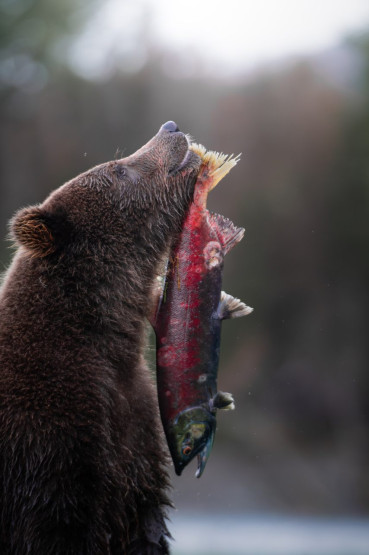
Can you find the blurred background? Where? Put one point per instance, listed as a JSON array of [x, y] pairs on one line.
[[287, 84]]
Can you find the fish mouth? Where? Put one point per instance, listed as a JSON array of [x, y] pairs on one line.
[[202, 459], [180, 463], [203, 456], [189, 435]]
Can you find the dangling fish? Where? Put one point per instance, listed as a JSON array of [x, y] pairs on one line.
[[188, 322]]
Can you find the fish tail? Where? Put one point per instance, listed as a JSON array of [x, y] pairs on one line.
[[216, 163]]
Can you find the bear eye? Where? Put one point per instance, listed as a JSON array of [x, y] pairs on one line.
[[120, 170]]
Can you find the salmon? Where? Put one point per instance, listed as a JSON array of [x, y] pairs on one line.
[[188, 321]]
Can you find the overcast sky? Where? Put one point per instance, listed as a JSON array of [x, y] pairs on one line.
[[250, 31], [231, 34]]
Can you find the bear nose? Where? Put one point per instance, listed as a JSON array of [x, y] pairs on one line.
[[170, 126]]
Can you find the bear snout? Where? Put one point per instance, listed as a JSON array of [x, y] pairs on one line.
[[170, 126]]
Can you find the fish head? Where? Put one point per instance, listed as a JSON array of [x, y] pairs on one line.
[[191, 433]]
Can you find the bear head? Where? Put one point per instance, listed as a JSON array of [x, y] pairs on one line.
[[128, 207]]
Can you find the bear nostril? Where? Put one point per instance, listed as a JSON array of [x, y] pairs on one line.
[[170, 126]]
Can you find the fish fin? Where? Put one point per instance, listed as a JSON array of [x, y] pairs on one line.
[[222, 401], [229, 235], [230, 307]]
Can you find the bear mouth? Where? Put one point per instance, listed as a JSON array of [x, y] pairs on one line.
[[189, 160], [185, 160]]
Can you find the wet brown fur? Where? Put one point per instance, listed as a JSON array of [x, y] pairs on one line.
[[82, 462]]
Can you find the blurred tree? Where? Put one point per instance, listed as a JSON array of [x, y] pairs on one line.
[[348, 262], [30, 35], [349, 209]]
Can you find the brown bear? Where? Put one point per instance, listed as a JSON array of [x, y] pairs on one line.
[[82, 461]]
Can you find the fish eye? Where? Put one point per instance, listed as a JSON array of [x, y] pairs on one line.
[[187, 445], [186, 450]]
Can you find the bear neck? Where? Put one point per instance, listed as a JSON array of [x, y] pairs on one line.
[[101, 305]]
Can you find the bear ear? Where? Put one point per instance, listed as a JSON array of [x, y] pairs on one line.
[[30, 227]]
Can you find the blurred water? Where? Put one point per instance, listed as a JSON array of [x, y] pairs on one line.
[[253, 535]]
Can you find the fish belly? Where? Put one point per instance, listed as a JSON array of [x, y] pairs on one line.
[[188, 335]]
